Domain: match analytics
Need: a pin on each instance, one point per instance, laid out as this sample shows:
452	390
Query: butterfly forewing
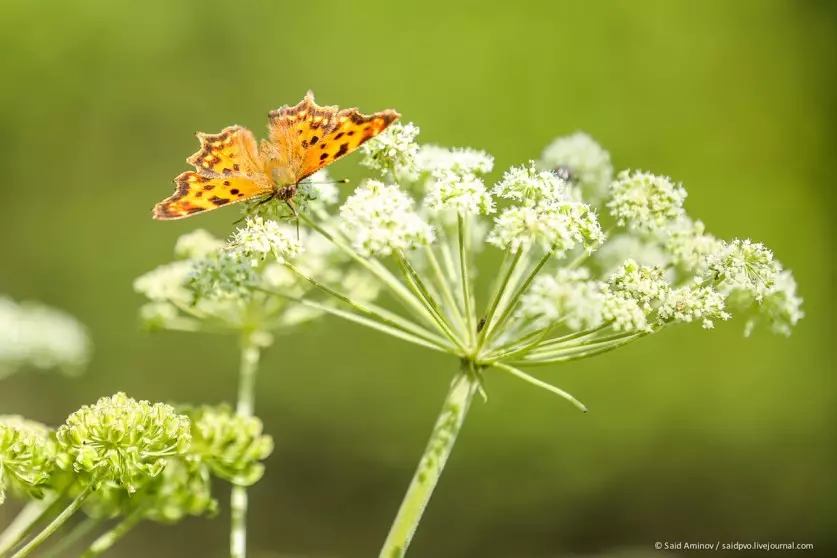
197	192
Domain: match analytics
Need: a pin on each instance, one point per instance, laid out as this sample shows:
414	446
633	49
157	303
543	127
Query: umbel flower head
27	456
565	289
224	445
231	445
34	335
217	286
121	440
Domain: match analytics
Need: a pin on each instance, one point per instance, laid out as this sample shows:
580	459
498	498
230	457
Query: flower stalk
56	523
457	402
250	354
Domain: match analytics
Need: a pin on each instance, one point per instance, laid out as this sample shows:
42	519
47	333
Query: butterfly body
232	167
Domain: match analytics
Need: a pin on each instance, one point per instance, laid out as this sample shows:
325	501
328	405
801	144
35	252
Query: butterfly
231	167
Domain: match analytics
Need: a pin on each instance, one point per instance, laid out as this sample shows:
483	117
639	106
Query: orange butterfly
231	167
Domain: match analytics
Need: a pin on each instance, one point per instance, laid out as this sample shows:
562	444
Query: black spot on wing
344	148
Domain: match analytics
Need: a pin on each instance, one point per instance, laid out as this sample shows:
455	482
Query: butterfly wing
307	137
229	170
197	193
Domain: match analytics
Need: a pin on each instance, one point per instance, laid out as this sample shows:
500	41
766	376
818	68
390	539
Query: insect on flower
232	167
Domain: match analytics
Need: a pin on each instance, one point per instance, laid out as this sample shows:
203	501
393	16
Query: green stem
375	267
421	292
500	288
56	523
444	285
31	514
432	463
507	311
377	325
540	383
577	353
464	254
110	538
244	407
374	313
78	532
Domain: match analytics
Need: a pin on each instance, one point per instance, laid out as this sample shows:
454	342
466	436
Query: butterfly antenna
341	181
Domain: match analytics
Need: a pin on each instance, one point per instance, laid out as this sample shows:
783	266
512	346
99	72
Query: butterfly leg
253	208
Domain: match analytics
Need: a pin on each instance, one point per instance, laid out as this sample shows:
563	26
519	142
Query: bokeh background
692	435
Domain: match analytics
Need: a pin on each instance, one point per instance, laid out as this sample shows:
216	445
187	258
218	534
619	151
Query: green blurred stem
77	533
461	393
57	522
110	538
31	514
244	407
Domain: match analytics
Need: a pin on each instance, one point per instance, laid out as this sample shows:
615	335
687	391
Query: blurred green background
692	435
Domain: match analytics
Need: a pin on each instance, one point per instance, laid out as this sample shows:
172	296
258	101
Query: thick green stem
56	523
432	463
31	514
244	407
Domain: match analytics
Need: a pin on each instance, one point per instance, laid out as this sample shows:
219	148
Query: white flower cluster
464	194
586	162
688	304
690	245
556	226
380	219
529	186
214	286
196	245
433	159
34	335
618	248
780	305
645	202
641	283
259	238
745	266
453	180
394	151
635	298
567	297
571	298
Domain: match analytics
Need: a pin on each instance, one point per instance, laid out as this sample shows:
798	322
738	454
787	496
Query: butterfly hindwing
197	193
315	136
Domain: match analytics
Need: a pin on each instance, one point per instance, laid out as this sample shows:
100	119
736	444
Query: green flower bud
122	440
231	445
27	456
184	488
